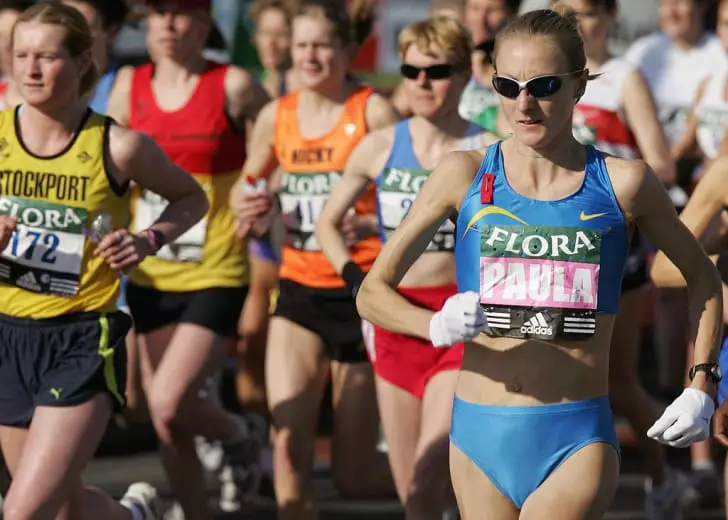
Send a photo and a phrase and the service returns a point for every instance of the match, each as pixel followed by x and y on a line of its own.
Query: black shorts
pixel 635 269
pixel 217 309
pixel 63 361
pixel 329 313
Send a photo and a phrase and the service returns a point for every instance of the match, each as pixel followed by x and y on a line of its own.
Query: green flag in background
pixel 243 53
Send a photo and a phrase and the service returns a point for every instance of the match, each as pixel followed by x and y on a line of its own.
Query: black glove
pixel 353 276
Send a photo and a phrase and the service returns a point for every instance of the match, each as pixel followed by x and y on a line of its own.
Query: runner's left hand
pixel 720 423
pixel 685 421
pixel 356 227
pixel 122 250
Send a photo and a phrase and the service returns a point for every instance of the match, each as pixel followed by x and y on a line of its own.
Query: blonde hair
pixel 77 41
pixel 559 24
pixel 352 26
pixel 439 35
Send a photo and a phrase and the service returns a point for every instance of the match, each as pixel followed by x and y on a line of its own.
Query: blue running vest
pixel 401 180
pixel 543 269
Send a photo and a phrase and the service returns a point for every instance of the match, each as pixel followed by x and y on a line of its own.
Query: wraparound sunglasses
pixel 539 87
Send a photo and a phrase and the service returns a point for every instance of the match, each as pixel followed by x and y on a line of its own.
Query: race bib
pixel 540 282
pixel 46 251
pixel 187 247
pixel 712 124
pixel 397 191
pixel 674 120
pixel 585 134
pixel 476 100
pixel 303 196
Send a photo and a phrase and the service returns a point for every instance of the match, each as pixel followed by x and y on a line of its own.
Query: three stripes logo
pixel 576 325
pixel 537 326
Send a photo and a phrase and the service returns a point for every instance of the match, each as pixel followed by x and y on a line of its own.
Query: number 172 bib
pixel 46 251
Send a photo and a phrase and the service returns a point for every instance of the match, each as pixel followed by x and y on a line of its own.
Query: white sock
pixel 703 466
pixel 136 513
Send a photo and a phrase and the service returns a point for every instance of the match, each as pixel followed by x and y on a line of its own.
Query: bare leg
pixel 47 468
pixel 582 488
pixel 430 492
pixel 628 396
pixel 176 362
pixel 296 374
pixel 360 472
pixel 477 497
pixel 400 413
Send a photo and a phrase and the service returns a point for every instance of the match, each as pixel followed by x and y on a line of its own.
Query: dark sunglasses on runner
pixel 539 87
pixel 439 71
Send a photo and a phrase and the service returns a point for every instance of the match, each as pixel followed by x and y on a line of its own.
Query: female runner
pixel 187 299
pixel 62 360
pixel 415 381
pixel 543 226
pixel 272 39
pixel 315 330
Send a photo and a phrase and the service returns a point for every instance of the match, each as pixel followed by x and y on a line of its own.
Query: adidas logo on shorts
pixel 28 281
pixel 537 325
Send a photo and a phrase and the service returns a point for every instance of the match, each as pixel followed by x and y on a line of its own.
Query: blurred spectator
pixel 106 18
pixel 9 12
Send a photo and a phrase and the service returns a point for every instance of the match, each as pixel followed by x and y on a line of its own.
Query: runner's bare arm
pixel 438 199
pixel 639 107
pixel 260 162
pixel 380 113
pixel 244 96
pixel 365 161
pixel 136 157
pixel 120 96
pixel 710 195
pixel 646 203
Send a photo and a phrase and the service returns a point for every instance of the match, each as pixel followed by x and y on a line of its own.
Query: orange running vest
pixel 310 169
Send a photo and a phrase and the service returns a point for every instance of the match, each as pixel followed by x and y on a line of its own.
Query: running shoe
pixel 663 503
pixel 241 475
pixel 703 490
pixel 144 498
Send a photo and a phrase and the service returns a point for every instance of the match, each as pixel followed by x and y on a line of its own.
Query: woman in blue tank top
pixel 415 381
pixel 542 228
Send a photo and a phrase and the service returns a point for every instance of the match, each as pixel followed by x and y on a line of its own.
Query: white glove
pixel 460 318
pixel 685 421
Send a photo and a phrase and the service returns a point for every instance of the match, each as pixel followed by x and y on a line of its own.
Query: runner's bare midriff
pixel 517 372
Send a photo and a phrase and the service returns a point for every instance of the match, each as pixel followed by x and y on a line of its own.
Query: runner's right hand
pixel 7 228
pixel 249 208
pixel 122 250
pixel 461 318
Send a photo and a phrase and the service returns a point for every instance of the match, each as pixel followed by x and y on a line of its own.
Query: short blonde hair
pixel 439 35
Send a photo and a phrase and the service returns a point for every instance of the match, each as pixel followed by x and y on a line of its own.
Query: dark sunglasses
pixel 540 87
pixel 439 71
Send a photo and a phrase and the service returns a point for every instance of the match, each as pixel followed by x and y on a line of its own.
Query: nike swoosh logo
pixel 583 216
